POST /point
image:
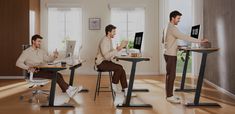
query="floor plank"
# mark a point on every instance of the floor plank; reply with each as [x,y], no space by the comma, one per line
[10,90]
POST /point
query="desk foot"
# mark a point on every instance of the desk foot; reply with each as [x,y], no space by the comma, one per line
[135,105]
[185,90]
[84,91]
[203,104]
[139,90]
[59,106]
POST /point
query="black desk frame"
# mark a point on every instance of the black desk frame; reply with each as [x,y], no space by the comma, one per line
[131,82]
[53,88]
[53,84]
[196,102]
[72,72]
[184,75]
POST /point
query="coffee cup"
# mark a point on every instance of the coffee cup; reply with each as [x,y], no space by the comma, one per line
[63,64]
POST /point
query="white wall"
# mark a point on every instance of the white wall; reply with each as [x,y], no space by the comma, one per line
[100,9]
[198,19]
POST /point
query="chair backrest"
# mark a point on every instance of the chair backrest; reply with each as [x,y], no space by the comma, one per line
[25,46]
[24,72]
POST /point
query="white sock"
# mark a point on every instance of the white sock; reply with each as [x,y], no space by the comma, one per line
[126,90]
[70,87]
[115,87]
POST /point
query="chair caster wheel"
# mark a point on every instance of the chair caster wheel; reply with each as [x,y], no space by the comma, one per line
[30,101]
[21,98]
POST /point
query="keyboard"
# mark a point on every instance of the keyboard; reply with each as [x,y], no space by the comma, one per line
[57,61]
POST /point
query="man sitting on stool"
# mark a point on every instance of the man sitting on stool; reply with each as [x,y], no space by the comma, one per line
[104,57]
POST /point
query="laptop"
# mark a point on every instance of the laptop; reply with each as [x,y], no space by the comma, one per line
[70,46]
[138,40]
[136,46]
[195,31]
[195,34]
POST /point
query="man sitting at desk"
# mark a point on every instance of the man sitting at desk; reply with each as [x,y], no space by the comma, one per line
[34,56]
[170,36]
[104,57]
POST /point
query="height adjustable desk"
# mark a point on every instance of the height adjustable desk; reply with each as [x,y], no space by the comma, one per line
[55,69]
[134,61]
[204,52]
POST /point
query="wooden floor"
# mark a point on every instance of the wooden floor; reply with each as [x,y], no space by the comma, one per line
[10,90]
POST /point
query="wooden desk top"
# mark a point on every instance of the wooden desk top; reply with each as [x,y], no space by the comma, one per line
[50,66]
[58,65]
[132,58]
[198,49]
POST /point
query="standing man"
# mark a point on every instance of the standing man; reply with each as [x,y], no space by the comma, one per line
[171,34]
[104,57]
[34,56]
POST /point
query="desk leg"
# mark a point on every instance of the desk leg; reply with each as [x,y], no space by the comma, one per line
[199,85]
[130,87]
[52,95]
[140,90]
[184,75]
[72,72]
[71,76]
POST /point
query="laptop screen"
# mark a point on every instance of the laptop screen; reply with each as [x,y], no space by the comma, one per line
[138,40]
[195,31]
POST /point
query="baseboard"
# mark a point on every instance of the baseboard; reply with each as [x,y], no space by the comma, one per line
[11,77]
[220,89]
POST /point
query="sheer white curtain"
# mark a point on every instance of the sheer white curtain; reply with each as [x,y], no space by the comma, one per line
[128,22]
[64,24]
[31,24]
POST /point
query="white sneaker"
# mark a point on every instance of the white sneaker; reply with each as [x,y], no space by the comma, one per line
[119,99]
[71,91]
[173,99]
[132,94]
[80,88]
[177,97]
[116,89]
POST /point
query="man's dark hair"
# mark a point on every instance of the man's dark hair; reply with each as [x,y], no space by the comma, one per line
[35,37]
[109,28]
[174,14]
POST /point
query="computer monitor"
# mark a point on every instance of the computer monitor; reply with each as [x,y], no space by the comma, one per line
[138,40]
[195,31]
[70,45]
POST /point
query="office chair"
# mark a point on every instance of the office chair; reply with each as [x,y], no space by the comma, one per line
[99,80]
[34,83]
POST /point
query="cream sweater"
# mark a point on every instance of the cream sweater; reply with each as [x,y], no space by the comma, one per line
[170,39]
[105,50]
[33,57]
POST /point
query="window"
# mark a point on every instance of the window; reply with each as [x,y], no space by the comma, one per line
[128,22]
[64,24]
